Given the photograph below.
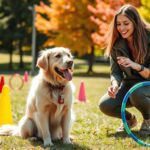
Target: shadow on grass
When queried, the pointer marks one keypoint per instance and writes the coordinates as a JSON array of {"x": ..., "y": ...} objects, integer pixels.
[
  {"x": 118, "y": 135},
  {"x": 94, "y": 74},
  {"x": 58, "y": 145},
  {"x": 82, "y": 65},
  {"x": 79, "y": 70},
  {"x": 4, "y": 68},
  {"x": 125, "y": 135}
]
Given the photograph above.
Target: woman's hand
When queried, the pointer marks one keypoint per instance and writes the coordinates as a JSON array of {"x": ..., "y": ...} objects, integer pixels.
[
  {"x": 113, "y": 90},
  {"x": 126, "y": 62}
]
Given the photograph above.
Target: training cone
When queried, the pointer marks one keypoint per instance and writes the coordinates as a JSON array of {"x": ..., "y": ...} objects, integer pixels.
[
  {"x": 5, "y": 107},
  {"x": 26, "y": 76},
  {"x": 82, "y": 94},
  {"x": 2, "y": 82}
]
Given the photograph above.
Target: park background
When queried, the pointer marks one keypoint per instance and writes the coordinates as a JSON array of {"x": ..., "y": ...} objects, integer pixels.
[{"x": 26, "y": 27}]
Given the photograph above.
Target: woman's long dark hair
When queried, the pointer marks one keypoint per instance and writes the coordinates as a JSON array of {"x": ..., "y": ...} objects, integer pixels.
[{"x": 139, "y": 34}]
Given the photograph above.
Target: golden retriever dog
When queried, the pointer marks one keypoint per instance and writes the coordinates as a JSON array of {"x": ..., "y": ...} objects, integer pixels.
[{"x": 49, "y": 104}]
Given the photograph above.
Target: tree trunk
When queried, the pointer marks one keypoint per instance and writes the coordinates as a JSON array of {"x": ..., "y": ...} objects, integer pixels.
[
  {"x": 91, "y": 60},
  {"x": 21, "y": 64},
  {"x": 10, "y": 54}
]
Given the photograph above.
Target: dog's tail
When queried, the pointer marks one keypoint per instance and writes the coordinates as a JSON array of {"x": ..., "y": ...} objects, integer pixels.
[{"x": 9, "y": 130}]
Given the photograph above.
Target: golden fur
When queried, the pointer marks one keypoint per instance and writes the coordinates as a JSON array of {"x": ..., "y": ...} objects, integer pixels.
[{"x": 46, "y": 117}]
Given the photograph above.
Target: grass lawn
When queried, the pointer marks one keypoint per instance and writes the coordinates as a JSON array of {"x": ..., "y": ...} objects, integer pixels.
[{"x": 92, "y": 130}]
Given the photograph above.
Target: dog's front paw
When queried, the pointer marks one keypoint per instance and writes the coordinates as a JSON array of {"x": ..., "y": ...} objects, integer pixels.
[
  {"x": 48, "y": 143},
  {"x": 67, "y": 141}
]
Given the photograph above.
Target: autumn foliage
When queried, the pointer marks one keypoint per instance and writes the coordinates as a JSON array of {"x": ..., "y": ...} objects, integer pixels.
[
  {"x": 66, "y": 23},
  {"x": 102, "y": 16},
  {"x": 145, "y": 10}
]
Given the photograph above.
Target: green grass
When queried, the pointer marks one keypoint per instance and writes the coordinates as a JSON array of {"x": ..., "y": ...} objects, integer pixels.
[{"x": 92, "y": 130}]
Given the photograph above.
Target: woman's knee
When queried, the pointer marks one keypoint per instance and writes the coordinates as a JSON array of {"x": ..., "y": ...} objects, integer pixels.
[
  {"x": 104, "y": 105},
  {"x": 140, "y": 99},
  {"x": 136, "y": 96}
]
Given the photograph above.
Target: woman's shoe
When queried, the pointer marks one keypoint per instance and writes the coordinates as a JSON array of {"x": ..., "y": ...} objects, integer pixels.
[
  {"x": 131, "y": 124},
  {"x": 145, "y": 127}
]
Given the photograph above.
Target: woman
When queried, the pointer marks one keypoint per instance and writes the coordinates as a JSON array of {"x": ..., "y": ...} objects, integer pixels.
[{"x": 129, "y": 50}]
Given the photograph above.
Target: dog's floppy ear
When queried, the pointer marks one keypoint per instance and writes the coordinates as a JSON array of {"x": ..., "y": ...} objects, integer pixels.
[{"x": 42, "y": 61}]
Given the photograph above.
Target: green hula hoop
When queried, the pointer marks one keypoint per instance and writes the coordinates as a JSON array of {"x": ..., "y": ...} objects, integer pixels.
[{"x": 138, "y": 85}]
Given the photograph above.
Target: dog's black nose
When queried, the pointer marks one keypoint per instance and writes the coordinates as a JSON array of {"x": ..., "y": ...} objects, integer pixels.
[{"x": 70, "y": 63}]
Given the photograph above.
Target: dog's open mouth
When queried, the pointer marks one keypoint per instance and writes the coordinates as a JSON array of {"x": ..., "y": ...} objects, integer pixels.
[{"x": 65, "y": 73}]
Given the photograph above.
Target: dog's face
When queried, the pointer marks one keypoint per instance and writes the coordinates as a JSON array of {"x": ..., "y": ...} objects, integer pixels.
[{"x": 57, "y": 64}]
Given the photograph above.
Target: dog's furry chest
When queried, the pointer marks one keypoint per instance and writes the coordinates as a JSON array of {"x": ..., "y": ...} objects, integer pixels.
[
  {"x": 55, "y": 95},
  {"x": 56, "y": 110}
]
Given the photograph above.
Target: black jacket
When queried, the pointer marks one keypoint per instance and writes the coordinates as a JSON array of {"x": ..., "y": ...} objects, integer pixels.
[{"x": 120, "y": 73}]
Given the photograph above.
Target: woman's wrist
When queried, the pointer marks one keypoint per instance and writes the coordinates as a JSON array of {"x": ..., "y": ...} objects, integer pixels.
[
  {"x": 138, "y": 67},
  {"x": 114, "y": 83},
  {"x": 141, "y": 68}
]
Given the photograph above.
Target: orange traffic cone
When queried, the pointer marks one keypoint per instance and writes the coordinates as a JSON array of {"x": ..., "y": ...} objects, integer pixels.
[
  {"x": 2, "y": 82},
  {"x": 82, "y": 94},
  {"x": 5, "y": 107},
  {"x": 25, "y": 76}
]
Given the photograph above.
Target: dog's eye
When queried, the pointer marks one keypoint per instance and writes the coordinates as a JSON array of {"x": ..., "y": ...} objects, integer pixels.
[
  {"x": 58, "y": 56},
  {"x": 68, "y": 55}
]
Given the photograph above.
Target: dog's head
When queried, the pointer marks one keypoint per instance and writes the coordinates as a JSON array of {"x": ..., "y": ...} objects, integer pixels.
[{"x": 56, "y": 64}]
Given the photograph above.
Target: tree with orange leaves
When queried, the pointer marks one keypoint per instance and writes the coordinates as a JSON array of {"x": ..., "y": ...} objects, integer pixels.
[{"x": 67, "y": 23}]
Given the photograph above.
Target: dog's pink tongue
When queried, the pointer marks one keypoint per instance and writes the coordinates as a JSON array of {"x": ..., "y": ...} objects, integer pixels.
[{"x": 68, "y": 75}]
